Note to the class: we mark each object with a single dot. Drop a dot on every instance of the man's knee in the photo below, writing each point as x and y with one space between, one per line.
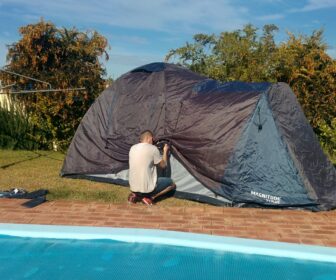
173 186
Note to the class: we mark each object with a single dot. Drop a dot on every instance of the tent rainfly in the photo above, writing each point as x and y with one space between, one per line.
235 143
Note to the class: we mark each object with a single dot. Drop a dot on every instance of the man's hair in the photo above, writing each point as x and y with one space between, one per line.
144 134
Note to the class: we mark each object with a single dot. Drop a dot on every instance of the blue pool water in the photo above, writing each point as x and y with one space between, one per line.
46 258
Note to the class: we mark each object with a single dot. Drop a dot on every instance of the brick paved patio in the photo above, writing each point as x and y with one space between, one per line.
277 225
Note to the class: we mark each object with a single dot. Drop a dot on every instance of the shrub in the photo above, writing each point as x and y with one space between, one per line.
16 130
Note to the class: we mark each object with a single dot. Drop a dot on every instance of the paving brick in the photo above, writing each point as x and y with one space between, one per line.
313 241
194 210
330 243
200 231
173 228
290 240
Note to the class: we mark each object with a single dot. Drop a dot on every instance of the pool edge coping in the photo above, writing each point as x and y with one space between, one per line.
174 238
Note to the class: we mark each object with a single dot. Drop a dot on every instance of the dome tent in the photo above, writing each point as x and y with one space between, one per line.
231 143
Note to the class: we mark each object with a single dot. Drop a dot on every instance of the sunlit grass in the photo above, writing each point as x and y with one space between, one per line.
34 170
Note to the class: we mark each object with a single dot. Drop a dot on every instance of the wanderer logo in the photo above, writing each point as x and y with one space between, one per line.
269 198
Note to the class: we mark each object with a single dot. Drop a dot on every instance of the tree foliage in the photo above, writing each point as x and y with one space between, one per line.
65 58
247 55
237 55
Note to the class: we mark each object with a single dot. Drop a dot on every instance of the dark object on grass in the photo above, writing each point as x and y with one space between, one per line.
36 197
34 202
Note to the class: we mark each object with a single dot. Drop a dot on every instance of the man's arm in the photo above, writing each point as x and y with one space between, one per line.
163 162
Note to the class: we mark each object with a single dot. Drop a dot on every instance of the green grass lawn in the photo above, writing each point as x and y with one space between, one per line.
34 170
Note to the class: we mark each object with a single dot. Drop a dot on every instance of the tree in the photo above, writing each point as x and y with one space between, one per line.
304 64
301 61
65 58
237 55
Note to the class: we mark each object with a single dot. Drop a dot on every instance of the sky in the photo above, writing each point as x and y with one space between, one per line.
141 32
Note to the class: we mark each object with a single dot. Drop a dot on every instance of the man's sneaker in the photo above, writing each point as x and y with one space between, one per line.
133 198
147 201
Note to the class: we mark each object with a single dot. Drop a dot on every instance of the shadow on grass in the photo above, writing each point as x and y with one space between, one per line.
38 155
47 156
18 162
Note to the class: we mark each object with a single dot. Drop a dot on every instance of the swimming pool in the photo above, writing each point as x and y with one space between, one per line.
63 252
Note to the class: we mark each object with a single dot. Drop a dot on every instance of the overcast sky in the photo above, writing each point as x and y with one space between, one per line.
141 32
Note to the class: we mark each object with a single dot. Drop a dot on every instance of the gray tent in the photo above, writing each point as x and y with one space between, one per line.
231 143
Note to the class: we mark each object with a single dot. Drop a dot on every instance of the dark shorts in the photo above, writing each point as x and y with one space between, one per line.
161 184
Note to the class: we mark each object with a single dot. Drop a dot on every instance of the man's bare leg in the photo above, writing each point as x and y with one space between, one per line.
166 190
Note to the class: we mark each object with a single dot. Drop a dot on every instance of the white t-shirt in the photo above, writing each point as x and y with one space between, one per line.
142 171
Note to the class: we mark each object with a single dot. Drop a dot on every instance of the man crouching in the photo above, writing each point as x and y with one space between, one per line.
143 180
